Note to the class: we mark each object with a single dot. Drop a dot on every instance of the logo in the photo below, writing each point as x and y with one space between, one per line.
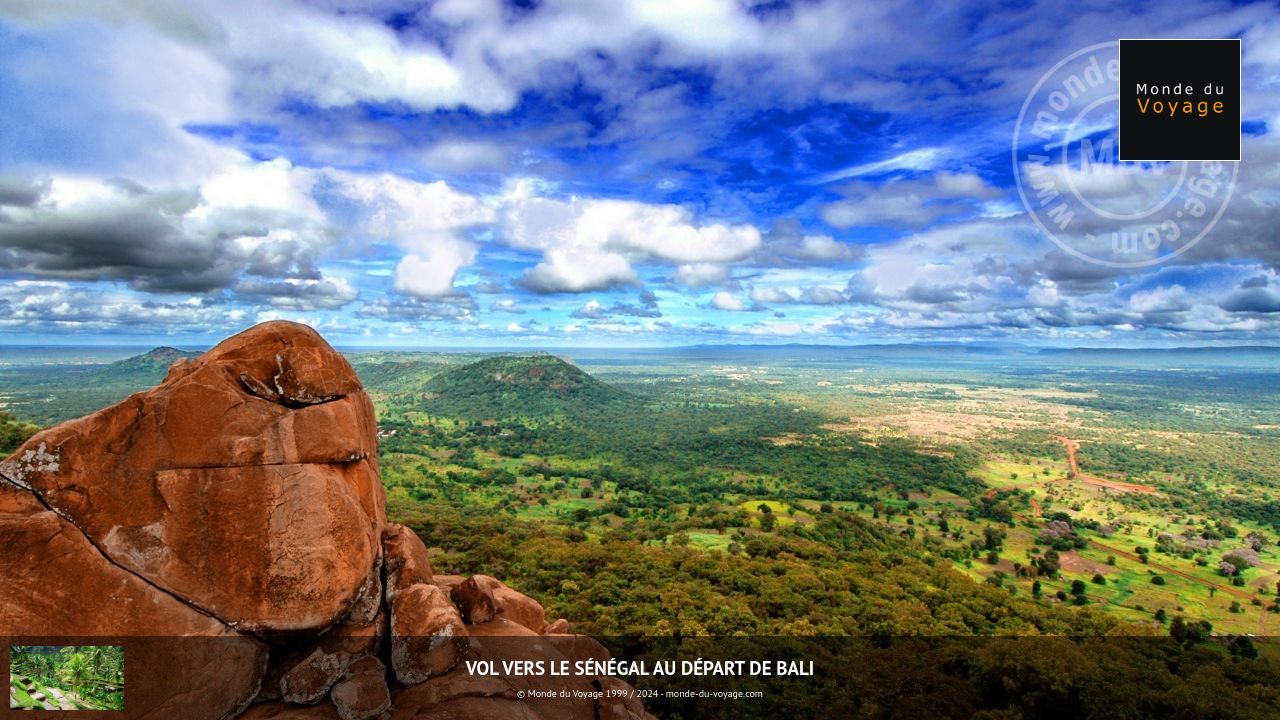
1180 100
1082 196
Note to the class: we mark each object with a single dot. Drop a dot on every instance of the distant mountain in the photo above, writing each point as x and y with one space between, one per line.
143 370
512 385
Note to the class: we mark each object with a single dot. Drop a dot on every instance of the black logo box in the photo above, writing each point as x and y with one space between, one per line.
1181 65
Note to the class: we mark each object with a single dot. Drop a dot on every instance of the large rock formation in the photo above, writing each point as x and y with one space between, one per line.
228 527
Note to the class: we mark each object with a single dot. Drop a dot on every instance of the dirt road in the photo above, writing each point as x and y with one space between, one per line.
1097 481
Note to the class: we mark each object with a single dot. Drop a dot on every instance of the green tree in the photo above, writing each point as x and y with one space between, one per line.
768 521
77 669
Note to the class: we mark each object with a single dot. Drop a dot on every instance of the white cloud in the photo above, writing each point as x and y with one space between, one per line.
589 244
771 296
727 301
37 305
696 275
564 270
427 219
431 274
919 159
1173 298
909 203
591 309
464 156
505 305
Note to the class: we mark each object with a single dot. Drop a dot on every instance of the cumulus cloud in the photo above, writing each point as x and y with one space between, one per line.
787 245
575 272
589 244
431 274
697 275
818 295
1253 300
430 220
591 310
772 296
812 295
254 218
724 300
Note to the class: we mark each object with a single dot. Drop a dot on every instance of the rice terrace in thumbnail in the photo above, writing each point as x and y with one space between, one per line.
88 677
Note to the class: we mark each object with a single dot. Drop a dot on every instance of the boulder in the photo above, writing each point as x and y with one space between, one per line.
427 634
481 598
407 560
579 647
363 692
447 582
245 484
310 678
55 583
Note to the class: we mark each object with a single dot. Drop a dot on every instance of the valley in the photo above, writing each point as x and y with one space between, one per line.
794 491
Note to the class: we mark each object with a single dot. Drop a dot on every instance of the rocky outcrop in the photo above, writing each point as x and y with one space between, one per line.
264 512
481 598
228 526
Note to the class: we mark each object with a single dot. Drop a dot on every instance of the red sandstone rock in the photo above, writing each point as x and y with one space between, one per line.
406 558
481 598
579 647
559 627
499 627
54 583
344 640
447 582
427 635
245 484
363 692
310 679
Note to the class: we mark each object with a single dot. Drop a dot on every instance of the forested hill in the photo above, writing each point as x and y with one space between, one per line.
143 370
520 385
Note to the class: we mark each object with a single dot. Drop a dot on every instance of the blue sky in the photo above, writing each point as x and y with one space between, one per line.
592 173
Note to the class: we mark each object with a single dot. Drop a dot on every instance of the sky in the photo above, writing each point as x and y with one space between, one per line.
590 173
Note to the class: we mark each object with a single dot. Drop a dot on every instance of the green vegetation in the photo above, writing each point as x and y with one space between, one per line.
89 677
868 494
13 432
518 386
